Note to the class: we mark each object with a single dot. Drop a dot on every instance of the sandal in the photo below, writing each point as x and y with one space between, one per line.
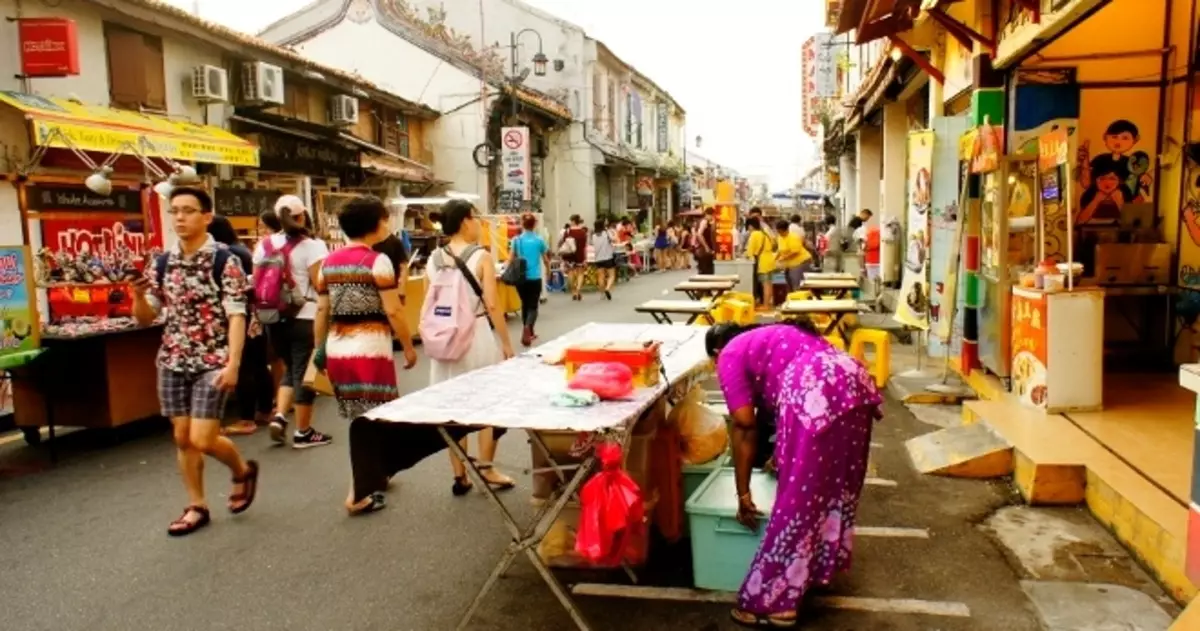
376 502
182 526
240 502
240 428
462 486
759 621
496 485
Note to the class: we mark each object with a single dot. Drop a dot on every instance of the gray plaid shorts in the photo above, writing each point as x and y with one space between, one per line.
191 395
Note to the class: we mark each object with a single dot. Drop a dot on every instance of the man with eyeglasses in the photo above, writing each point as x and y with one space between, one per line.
201 289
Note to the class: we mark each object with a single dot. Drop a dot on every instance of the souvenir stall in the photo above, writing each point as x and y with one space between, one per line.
89 199
727 262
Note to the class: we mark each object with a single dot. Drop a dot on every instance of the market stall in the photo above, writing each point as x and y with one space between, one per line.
681 355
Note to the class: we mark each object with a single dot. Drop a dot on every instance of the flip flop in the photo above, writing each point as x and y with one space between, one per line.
188 527
494 485
760 621
377 503
240 502
240 428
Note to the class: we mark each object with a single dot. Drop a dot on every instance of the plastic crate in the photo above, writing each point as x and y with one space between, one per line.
722 549
695 474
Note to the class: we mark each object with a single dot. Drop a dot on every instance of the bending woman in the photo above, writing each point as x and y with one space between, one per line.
824 403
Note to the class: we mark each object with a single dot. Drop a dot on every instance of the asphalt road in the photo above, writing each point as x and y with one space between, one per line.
83 547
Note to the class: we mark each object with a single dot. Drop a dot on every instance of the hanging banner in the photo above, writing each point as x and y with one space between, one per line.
809 102
514 161
913 307
943 225
824 67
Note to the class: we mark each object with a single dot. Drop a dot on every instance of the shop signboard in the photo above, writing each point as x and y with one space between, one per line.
514 161
244 202
1029 346
664 127
1053 149
913 307
833 13
824 67
49 198
809 103
281 153
98 236
49 47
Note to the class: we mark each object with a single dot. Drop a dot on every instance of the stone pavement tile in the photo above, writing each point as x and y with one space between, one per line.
1094 607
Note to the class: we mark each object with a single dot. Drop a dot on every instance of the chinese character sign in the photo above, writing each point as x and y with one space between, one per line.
1029 347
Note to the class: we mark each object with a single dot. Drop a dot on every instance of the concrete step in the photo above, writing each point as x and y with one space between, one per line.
968 451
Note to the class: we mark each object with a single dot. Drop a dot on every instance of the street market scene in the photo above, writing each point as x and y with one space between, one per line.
597 333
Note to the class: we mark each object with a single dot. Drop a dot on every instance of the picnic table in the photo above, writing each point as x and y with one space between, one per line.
835 310
833 288
699 290
662 310
829 276
708 278
447 408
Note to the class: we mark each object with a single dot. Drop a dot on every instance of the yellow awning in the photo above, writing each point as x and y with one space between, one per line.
107 130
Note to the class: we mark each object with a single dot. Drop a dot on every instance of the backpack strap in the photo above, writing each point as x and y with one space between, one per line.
220 260
461 263
160 268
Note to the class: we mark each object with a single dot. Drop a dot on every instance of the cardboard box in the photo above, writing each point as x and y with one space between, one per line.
1133 263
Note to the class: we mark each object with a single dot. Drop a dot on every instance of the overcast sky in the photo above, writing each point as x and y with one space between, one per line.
734 65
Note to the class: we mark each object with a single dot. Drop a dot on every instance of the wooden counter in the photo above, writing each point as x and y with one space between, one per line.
102 380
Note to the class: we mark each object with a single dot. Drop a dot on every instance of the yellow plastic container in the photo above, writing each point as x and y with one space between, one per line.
740 312
881 368
801 294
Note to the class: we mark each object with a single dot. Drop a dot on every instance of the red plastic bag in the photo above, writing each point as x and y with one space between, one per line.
612 521
609 380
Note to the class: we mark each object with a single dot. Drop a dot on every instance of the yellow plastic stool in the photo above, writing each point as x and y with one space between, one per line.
882 341
837 341
801 294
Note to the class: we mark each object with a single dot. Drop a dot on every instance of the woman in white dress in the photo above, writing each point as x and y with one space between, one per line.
491 344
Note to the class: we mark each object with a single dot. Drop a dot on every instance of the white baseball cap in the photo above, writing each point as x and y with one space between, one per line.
294 205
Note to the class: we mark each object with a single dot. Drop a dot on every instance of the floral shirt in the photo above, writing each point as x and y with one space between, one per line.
196 332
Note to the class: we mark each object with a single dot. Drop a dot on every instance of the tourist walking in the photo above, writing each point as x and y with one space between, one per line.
662 246
573 250
284 266
761 248
824 404
533 251
359 314
200 288
462 262
605 258
255 394
706 242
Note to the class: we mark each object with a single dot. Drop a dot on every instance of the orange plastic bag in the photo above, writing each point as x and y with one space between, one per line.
612 520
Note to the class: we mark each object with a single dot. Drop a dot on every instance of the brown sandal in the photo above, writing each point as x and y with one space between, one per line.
181 527
240 502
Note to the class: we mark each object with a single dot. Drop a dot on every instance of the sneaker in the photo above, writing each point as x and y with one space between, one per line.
279 429
311 439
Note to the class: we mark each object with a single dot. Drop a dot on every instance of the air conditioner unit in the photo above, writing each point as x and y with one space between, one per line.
210 84
262 83
343 110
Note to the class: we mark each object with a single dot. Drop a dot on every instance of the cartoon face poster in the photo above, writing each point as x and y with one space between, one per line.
1116 173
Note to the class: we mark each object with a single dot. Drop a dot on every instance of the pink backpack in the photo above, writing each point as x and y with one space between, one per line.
447 326
276 294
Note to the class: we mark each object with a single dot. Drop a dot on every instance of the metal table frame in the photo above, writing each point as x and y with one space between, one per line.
835 317
838 289
662 316
708 289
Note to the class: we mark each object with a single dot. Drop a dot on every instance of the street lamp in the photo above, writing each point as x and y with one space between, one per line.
539 64
539 60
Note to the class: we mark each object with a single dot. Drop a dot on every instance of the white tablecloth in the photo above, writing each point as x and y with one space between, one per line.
516 394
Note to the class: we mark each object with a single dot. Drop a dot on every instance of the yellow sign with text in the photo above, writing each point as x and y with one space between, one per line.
107 130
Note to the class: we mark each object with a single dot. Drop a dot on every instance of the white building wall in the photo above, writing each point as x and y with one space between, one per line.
414 74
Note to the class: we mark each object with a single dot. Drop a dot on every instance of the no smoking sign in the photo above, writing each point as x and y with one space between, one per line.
514 139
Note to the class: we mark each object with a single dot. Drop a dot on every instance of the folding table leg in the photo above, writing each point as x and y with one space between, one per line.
522 541
661 317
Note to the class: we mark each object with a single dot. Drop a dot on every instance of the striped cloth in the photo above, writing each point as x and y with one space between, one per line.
358 349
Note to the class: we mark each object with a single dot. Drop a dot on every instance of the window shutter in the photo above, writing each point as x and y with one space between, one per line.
126 70
155 75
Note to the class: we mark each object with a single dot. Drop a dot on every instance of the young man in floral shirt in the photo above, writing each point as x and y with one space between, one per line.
201 289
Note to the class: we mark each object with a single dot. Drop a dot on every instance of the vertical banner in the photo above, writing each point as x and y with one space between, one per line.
943 228
810 116
824 67
912 309
1029 347
514 161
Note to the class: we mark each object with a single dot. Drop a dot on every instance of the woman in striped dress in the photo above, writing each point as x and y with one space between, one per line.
359 313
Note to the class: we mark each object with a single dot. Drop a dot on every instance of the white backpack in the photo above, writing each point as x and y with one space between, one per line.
447 325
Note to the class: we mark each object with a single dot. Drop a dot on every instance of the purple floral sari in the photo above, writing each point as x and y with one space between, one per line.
825 403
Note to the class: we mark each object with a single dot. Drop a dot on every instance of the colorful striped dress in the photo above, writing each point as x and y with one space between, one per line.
358 349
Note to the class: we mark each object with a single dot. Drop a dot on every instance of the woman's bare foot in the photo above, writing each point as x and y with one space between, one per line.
498 481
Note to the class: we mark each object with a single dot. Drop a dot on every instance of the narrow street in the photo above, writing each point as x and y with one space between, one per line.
84 548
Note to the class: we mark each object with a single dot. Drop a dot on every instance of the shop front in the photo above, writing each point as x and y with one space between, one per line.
1075 317
86 195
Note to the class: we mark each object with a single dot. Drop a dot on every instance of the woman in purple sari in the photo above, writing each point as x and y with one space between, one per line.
824 403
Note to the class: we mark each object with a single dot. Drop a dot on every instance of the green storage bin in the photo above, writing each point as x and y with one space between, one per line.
722 549
695 474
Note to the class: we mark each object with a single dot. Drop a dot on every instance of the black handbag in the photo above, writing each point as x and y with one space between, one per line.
514 272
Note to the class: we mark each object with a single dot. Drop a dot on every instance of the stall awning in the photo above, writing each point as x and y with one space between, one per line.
107 130
389 163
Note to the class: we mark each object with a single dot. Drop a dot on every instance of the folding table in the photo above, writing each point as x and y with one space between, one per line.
829 276
464 400
700 290
835 309
661 310
836 288
708 278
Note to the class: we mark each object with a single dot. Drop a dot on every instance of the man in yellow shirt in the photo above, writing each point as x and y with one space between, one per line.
760 248
793 258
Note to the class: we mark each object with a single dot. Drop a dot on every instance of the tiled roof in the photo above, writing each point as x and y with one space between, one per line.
265 47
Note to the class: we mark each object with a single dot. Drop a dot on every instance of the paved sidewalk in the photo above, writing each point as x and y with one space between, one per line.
83 548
